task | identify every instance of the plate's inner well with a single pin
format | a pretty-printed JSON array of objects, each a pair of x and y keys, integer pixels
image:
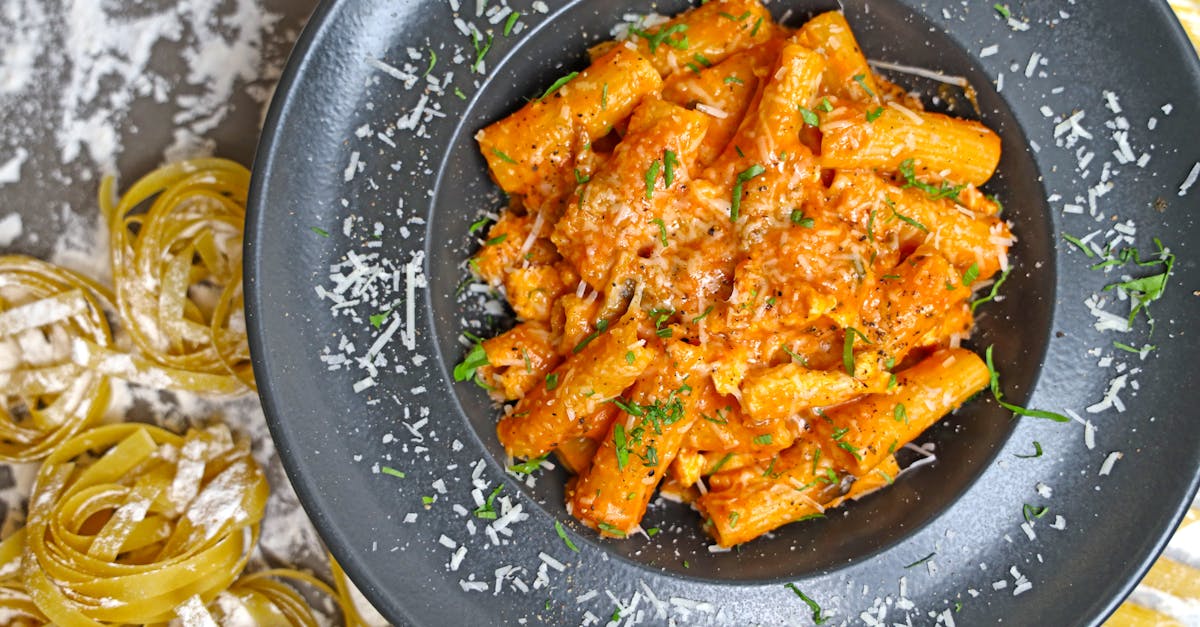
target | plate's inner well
[{"x": 965, "y": 442}]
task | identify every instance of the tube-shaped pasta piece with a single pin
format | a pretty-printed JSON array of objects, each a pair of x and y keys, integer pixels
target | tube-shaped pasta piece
[
  {"x": 909, "y": 304},
  {"x": 518, "y": 359},
  {"x": 641, "y": 445},
  {"x": 725, "y": 90},
  {"x": 775, "y": 394},
  {"x": 528, "y": 147},
  {"x": 847, "y": 74},
  {"x": 805, "y": 482},
  {"x": 772, "y": 125},
  {"x": 572, "y": 318},
  {"x": 687, "y": 467},
  {"x": 599, "y": 371},
  {"x": 861, "y": 434},
  {"x": 576, "y": 454},
  {"x": 938, "y": 145},
  {"x": 611, "y": 217},
  {"x": 711, "y": 31},
  {"x": 966, "y": 238},
  {"x": 532, "y": 291}
]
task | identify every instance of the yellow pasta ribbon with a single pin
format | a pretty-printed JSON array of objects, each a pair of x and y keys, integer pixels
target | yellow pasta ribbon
[
  {"x": 44, "y": 311},
  {"x": 177, "y": 272},
  {"x": 129, "y": 522}
]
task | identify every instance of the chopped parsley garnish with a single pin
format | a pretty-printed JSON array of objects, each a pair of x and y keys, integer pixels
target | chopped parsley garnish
[
  {"x": 562, "y": 533},
  {"x": 909, "y": 221},
  {"x": 1016, "y": 409},
  {"x": 458, "y": 92},
  {"x": 432, "y": 62},
  {"x": 809, "y": 517},
  {"x": 528, "y": 466},
  {"x": 503, "y": 156},
  {"x": 800, "y": 359},
  {"x": 734, "y": 79},
  {"x": 580, "y": 178},
  {"x": 476, "y": 358},
  {"x": 558, "y": 84},
  {"x": 1037, "y": 451},
  {"x": 488, "y": 510},
  {"x": 861, "y": 79},
  {"x": 378, "y": 319},
  {"x": 670, "y": 160},
  {"x": 622, "y": 446},
  {"x": 848, "y": 348},
  {"x": 319, "y": 231},
  {"x": 922, "y": 560},
  {"x": 702, "y": 60},
  {"x": 763, "y": 440},
  {"x": 601, "y": 327},
  {"x": 798, "y": 219},
  {"x": 1147, "y": 289},
  {"x": 1002, "y": 9},
  {"x": 720, "y": 463},
  {"x": 733, "y": 518},
  {"x": 991, "y": 293},
  {"x": 481, "y": 49},
  {"x": 511, "y": 22},
  {"x": 662, "y": 231},
  {"x": 630, "y": 357},
  {"x": 970, "y": 275},
  {"x": 603, "y": 97},
  {"x": 479, "y": 224},
  {"x": 607, "y": 528},
  {"x": 810, "y": 118},
  {"x": 1136, "y": 351},
  {"x": 900, "y": 413},
  {"x": 1035, "y": 511},
  {"x": 817, "y": 618},
  {"x": 707, "y": 310},
  {"x": 850, "y": 448},
  {"x": 886, "y": 477},
  {"x": 718, "y": 420},
  {"x": 757, "y": 24},
  {"x": 664, "y": 333},
  {"x": 1079, "y": 244},
  {"x": 734, "y": 18},
  {"x": 388, "y": 470},
  {"x": 743, "y": 177},
  {"x": 551, "y": 381},
  {"x": 651, "y": 177},
  {"x": 654, "y": 40},
  {"x": 825, "y": 105},
  {"x": 428, "y": 500},
  {"x": 499, "y": 239},
  {"x": 653, "y": 531},
  {"x": 910, "y": 180}
]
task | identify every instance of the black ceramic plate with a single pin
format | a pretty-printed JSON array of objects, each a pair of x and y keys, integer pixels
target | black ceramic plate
[{"x": 369, "y": 167}]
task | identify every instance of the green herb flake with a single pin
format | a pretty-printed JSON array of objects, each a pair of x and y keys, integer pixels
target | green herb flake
[
  {"x": 601, "y": 327},
  {"x": 503, "y": 157},
  {"x": 499, "y": 239},
  {"x": 653, "y": 531},
  {"x": 662, "y": 231},
  {"x": 850, "y": 448},
  {"x": 817, "y": 617},
  {"x": 481, "y": 49},
  {"x": 1136, "y": 351},
  {"x": 622, "y": 446},
  {"x": 900, "y": 413},
  {"x": 721, "y": 463},
  {"x": 476, "y": 358},
  {"x": 428, "y": 500},
  {"x": 603, "y": 97},
  {"x": 378, "y": 319},
  {"x": 1016, "y": 409},
  {"x": 934, "y": 193},
  {"x": 1034, "y": 511},
  {"x": 861, "y": 79},
  {"x": 607, "y": 528},
  {"x": 800, "y": 359},
  {"x": 991, "y": 293},
  {"x": 1037, "y": 451},
  {"x": 511, "y": 22},
  {"x": 734, "y": 79},
  {"x": 487, "y": 510},
  {"x": 1002, "y": 9},
  {"x": 734, "y": 18},
  {"x": 556, "y": 85},
  {"x": 551, "y": 381},
  {"x": 630, "y": 357},
  {"x": 743, "y": 177},
  {"x": 562, "y": 533},
  {"x": 319, "y": 231},
  {"x": 810, "y": 118},
  {"x": 757, "y": 25},
  {"x": 733, "y": 518},
  {"x": 825, "y": 105},
  {"x": 909, "y": 221},
  {"x": 670, "y": 161},
  {"x": 763, "y": 440},
  {"x": 458, "y": 92},
  {"x": 651, "y": 177},
  {"x": 528, "y": 466},
  {"x": 388, "y": 470},
  {"x": 874, "y": 114},
  {"x": 654, "y": 40},
  {"x": 970, "y": 275},
  {"x": 922, "y": 560},
  {"x": 432, "y": 62},
  {"x": 1079, "y": 244},
  {"x": 707, "y": 310},
  {"x": 799, "y": 220},
  {"x": 848, "y": 348},
  {"x": 479, "y": 224}
]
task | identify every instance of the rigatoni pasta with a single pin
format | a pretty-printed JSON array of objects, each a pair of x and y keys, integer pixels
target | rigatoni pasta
[{"x": 742, "y": 265}]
